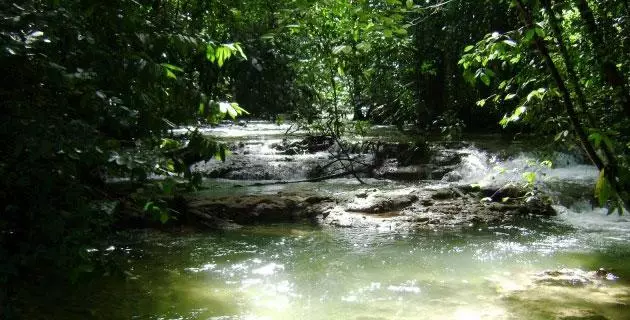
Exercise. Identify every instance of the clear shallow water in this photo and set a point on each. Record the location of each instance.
(303, 272)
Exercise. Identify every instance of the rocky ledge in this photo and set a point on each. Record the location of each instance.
(401, 208)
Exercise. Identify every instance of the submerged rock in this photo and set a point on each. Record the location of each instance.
(564, 294)
(572, 277)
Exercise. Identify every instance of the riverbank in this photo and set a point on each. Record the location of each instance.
(446, 234)
(382, 180)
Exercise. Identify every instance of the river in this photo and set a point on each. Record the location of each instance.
(303, 271)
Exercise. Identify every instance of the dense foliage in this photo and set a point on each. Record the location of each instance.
(93, 90)
(564, 73)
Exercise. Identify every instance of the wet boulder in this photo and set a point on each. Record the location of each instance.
(446, 193)
(381, 202)
(254, 209)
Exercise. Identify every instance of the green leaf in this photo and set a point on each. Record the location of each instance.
(504, 121)
(603, 190)
(164, 217)
(530, 177)
(340, 71)
(238, 108)
(223, 53)
(341, 48)
(239, 49)
(510, 96)
(148, 205)
(221, 154)
(169, 144)
(468, 48)
(485, 79)
(230, 111)
(364, 46)
(529, 35)
(170, 74)
(409, 4)
(510, 42)
(595, 138)
(171, 67)
(170, 166)
(547, 163)
(211, 52)
(538, 94)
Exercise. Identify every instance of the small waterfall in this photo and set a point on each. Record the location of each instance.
(263, 151)
(568, 179)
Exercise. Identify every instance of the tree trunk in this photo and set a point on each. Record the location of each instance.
(569, 108)
(573, 79)
(421, 106)
(356, 90)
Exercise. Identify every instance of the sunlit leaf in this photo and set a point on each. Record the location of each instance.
(510, 42)
(210, 52)
(530, 177)
(546, 163)
(510, 96)
(603, 189)
(341, 48)
(239, 49)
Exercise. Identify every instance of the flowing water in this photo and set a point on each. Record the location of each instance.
(309, 272)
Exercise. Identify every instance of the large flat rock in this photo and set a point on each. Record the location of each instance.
(391, 209)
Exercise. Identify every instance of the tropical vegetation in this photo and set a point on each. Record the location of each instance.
(93, 93)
